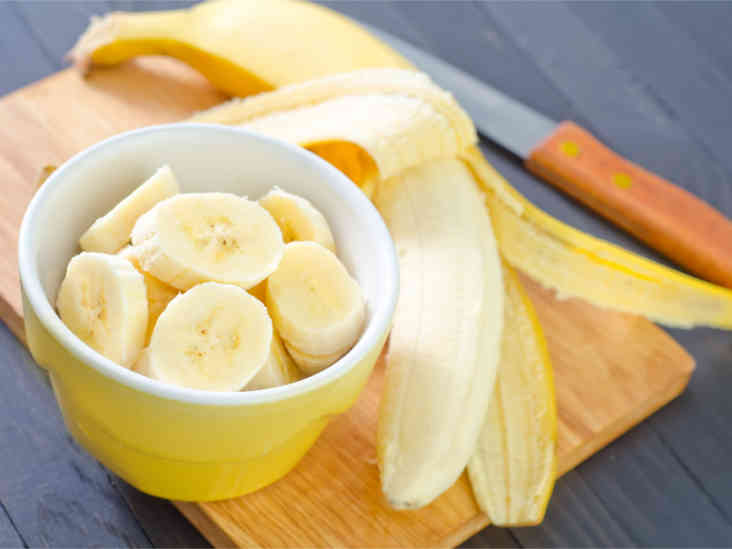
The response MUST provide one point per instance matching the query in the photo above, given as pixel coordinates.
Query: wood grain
(612, 370)
(666, 217)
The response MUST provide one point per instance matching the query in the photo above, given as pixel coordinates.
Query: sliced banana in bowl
(198, 237)
(111, 232)
(297, 218)
(214, 337)
(102, 300)
(316, 305)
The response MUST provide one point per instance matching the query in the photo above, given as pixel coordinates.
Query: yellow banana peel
(576, 264)
(513, 468)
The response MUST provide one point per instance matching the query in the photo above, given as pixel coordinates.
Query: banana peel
(223, 40)
(576, 264)
(513, 468)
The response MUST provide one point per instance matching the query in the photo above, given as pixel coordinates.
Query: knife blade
(666, 217)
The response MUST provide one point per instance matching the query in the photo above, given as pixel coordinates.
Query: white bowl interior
(204, 158)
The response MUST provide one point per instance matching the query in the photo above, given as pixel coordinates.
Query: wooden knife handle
(666, 217)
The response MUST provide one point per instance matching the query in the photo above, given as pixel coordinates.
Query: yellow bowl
(182, 443)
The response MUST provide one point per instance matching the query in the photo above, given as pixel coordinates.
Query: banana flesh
(316, 305)
(279, 369)
(110, 233)
(297, 218)
(214, 337)
(513, 468)
(444, 345)
(159, 294)
(102, 300)
(198, 237)
(224, 41)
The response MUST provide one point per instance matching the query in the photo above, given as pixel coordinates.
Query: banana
(312, 364)
(224, 41)
(417, 120)
(278, 370)
(297, 218)
(198, 237)
(214, 337)
(142, 364)
(102, 300)
(513, 468)
(315, 304)
(159, 294)
(576, 264)
(444, 347)
(111, 232)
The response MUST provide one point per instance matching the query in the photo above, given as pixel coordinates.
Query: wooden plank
(661, 52)
(9, 536)
(707, 24)
(636, 364)
(159, 519)
(54, 492)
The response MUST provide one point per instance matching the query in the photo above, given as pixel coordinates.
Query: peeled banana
(198, 237)
(214, 337)
(513, 468)
(444, 345)
(224, 40)
(111, 232)
(102, 301)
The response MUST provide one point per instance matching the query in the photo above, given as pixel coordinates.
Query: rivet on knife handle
(666, 217)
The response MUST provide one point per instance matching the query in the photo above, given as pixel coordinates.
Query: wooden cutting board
(611, 370)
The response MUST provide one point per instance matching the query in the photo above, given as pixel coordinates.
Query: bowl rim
(340, 184)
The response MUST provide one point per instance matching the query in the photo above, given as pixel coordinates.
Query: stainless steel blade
(509, 123)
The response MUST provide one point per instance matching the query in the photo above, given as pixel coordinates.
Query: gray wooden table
(654, 81)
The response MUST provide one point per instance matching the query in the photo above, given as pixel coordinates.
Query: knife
(666, 217)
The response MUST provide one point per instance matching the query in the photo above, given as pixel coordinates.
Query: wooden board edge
(213, 532)
(13, 320)
(641, 412)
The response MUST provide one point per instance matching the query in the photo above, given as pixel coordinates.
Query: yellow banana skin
(223, 39)
(513, 468)
(576, 264)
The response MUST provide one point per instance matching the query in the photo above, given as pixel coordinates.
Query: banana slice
(315, 304)
(159, 294)
(111, 232)
(214, 337)
(297, 218)
(102, 300)
(278, 370)
(312, 364)
(200, 237)
(142, 364)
